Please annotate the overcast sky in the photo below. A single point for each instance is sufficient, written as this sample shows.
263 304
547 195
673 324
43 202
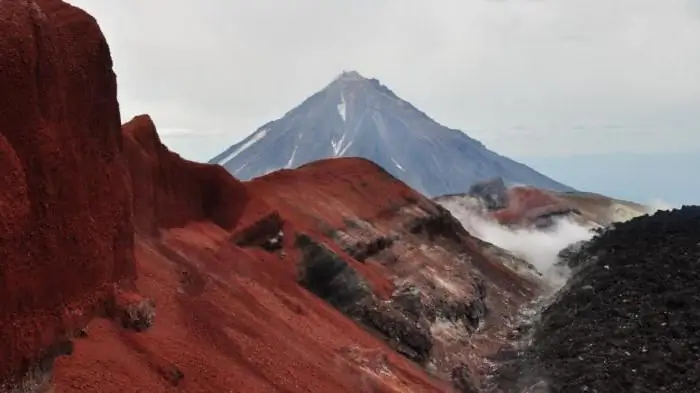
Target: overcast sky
526 77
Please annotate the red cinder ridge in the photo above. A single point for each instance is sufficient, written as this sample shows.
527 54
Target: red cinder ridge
526 204
171 191
228 318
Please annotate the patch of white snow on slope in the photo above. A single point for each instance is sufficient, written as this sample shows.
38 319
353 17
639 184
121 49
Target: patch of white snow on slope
340 147
397 164
341 108
253 140
342 152
291 159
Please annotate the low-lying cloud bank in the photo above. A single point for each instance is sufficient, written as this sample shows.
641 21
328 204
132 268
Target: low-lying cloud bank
540 247
537 246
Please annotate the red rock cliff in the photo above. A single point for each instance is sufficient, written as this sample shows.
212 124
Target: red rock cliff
170 191
65 198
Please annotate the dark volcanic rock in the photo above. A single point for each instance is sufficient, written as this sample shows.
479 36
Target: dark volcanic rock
471 314
265 233
628 321
408 335
462 381
493 192
331 278
363 250
441 223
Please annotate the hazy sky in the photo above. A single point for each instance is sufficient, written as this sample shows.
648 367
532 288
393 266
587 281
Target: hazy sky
526 77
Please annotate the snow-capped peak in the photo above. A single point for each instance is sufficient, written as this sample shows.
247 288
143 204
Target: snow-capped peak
354 116
349 76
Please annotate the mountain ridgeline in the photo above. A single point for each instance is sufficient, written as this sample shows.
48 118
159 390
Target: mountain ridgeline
358 117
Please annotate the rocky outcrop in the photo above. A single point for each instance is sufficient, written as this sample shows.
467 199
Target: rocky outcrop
331 278
169 191
404 320
493 192
266 233
362 250
439 223
65 194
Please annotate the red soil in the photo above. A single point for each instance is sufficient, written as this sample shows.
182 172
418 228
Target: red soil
231 318
525 204
65 199
349 188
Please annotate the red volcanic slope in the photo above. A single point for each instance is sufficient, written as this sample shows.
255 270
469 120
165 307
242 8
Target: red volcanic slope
65 216
354 188
528 204
228 318
525 204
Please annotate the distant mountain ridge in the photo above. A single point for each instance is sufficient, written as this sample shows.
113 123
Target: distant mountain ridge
358 117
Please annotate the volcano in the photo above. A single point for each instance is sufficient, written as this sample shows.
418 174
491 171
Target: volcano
359 117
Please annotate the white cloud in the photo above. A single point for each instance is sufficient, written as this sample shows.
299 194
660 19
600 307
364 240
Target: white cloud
539 247
657 204
524 76
185 132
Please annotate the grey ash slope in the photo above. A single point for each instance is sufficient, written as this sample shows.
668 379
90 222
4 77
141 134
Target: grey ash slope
358 117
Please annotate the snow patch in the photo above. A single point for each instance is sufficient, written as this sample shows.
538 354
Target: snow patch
250 142
342 108
340 147
342 152
291 159
397 164
241 168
